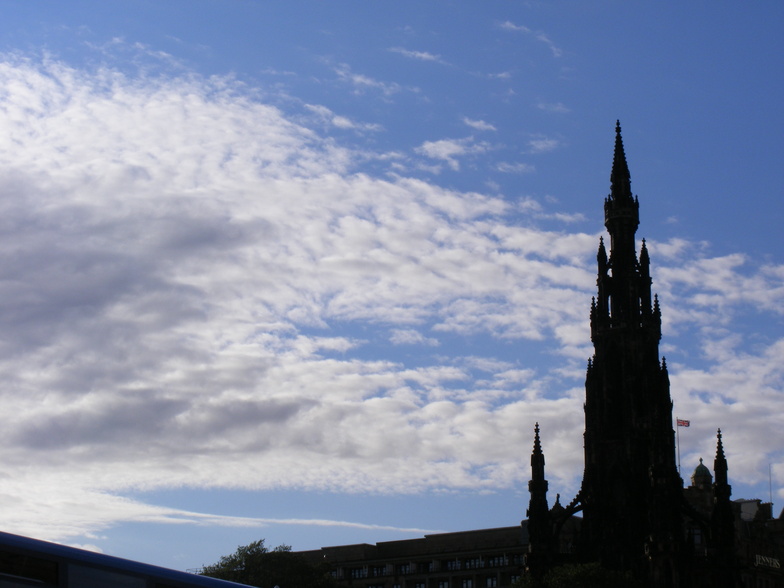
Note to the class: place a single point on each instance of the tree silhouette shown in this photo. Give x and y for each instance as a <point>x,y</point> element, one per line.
<point>254,564</point>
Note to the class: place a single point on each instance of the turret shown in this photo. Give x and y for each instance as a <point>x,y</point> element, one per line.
<point>720,463</point>
<point>722,521</point>
<point>539,524</point>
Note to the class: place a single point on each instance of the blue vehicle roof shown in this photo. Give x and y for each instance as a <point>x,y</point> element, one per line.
<point>44,549</point>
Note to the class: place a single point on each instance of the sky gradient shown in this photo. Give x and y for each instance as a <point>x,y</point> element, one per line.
<point>311,271</point>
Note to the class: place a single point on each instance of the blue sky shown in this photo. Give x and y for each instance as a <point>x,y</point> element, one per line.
<point>311,271</point>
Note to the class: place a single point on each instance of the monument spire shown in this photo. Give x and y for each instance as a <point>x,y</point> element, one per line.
<point>620,178</point>
<point>631,489</point>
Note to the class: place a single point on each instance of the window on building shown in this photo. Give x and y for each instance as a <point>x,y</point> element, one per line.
<point>453,564</point>
<point>468,583</point>
<point>491,582</point>
<point>697,534</point>
<point>358,572</point>
<point>405,568</point>
<point>497,561</point>
<point>443,584</point>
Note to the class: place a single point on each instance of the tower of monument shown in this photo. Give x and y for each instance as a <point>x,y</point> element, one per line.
<point>631,489</point>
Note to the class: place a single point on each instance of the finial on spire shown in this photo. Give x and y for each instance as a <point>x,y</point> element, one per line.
<point>719,444</point>
<point>537,457</point>
<point>601,257</point>
<point>720,463</point>
<point>645,259</point>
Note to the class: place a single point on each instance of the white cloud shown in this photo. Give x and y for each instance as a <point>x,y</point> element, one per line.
<point>411,337</point>
<point>362,83</point>
<point>328,117</point>
<point>192,284</point>
<point>417,55</point>
<point>556,51</point>
<point>538,35</point>
<point>510,26</point>
<point>515,168</point>
<point>558,107</point>
<point>543,144</point>
<point>504,75</point>
<point>448,150</point>
<point>479,125</point>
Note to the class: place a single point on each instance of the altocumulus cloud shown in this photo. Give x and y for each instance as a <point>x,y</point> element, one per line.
<point>183,269</point>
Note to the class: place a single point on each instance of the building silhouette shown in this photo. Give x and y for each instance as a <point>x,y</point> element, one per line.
<point>631,489</point>
<point>632,514</point>
<point>636,515</point>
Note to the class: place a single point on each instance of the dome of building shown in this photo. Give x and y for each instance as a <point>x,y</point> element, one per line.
<point>701,477</point>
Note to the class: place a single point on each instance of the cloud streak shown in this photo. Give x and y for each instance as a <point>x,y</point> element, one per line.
<point>418,55</point>
<point>538,35</point>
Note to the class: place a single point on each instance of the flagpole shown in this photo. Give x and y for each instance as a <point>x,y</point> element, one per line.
<point>678,443</point>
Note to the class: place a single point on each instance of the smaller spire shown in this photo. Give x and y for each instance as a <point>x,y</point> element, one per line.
<point>601,257</point>
<point>538,513</point>
<point>720,463</point>
<point>719,445</point>
<point>537,442</point>
<point>537,458</point>
<point>645,260</point>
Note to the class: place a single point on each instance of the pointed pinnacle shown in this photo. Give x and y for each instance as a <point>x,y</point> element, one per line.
<point>537,442</point>
<point>719,444</point>
<point>620,179</point>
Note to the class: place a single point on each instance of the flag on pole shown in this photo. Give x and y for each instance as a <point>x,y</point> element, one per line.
<point>682,423</point>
